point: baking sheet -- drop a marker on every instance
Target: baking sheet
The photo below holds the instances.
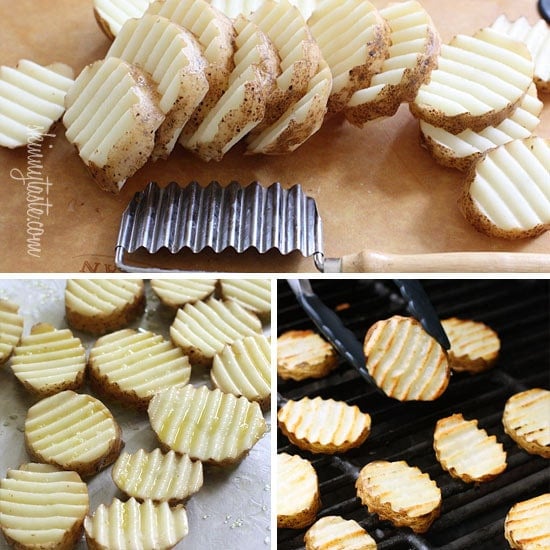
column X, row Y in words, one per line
column 231, row 510
column 375, row 187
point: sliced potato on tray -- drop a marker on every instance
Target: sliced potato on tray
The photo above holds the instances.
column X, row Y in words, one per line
column 11, row 328
column 112, row 14
column 178, row 292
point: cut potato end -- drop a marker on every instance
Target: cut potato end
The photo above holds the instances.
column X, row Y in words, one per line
column 11, row 328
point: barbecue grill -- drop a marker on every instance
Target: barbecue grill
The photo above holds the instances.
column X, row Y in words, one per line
column 472, row 515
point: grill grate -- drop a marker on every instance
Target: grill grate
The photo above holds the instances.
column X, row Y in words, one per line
column 472, row 516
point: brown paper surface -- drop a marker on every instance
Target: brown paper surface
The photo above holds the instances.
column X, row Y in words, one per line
column 375, row 187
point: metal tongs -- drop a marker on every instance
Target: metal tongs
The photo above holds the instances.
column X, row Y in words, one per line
column 344, row 341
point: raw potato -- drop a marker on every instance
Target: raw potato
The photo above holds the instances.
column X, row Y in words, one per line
column 146, row 525
column 112, row 14
column 42, row 508
column 336, row 533
column 474, row 345
column 253, row 294
column 526, row 420
column 49, row 360
column 178, row 292
column 526, row 526
column 103, row 305
column 32, row 100
column 354, row 39
column 479, row 81
column 74, row 432
column 507, row 193
column 112, row 115
column 298, row 500
column 466, row 451
column 380, row 486
column 176, row 65
column 462, row 150
column 412, row 56
column 323, row 425
column 11, row 328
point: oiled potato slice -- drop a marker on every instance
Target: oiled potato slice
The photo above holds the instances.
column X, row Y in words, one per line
column 169, row 477
column 42, row 507
column 526, row 526
column 462, row 150
column 207, row 425
column 354, row 39
column 49, row 360
column 103, row 305
column 405, row 361
column 11, row 328
column 507, row 193
column 244, row 368
column 178, row 292
column 253, row 294
column 173, row 58
column 131, row 366
column 202, row 329
column 525, row 420
column 72, row 431
column 479, row 81
column 324, row 425
column 32, row 100
column 537, row 39
column 298, row 499
column 466, row 451
column 134, row 524
column 399, row 493
column 112, row 14
column 332, row 532
column 112, row 115
column 412, row 56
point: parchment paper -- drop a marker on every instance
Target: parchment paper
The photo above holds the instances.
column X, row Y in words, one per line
column 375, row 187
column 231, row 510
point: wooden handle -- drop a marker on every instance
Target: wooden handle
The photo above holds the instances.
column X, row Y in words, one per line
column 452, row 262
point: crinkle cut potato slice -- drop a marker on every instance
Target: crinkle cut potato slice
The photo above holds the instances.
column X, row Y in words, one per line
column 479, row 81
column 42, row 507
column 173, row 58
column 32, row 100
column 253, row 294
column 112, row 115
column 178, row 292
column 507, row 193
column 112, row 14
column 207, row 425
column 334, row 532
column 11, row 328
column 412, row 56
column 526, row 526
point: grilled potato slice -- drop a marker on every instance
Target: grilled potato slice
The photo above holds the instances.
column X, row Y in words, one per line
column 334, row 532
column 525, row 420
column 11, row 328
column 474, row 345
column 479, row 81
column 216, row 35
column 102, row 305
column 466, row 451
column 354, row 39
column 42, row 507
column 462, row 150
column 131, row 366
column 304, row 354
column 507, row 193
column 178, row 292
column 72, row 431
column 49, row 360
column 169, row 477
column 244, row 368
column 33, row 99
column 253, row 294
column 112, row 115
column 324, row 425
column 537, row 39
column 207, row 425
column 134, row 524
column 173, row 58
column 112, row 14
column 298, row 500
column 202, row 329
column 405, row 361
column 526, row 525
column 412, row 56
column 380, row 486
